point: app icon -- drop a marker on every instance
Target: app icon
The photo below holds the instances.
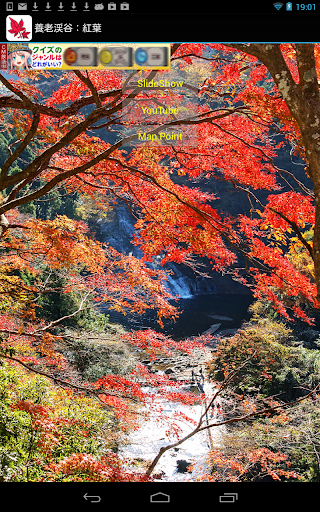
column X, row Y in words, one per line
column 19, row 28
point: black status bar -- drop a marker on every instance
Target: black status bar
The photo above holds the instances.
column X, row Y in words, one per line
column 107, row 8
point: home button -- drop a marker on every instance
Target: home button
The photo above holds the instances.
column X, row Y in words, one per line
column 160, row 497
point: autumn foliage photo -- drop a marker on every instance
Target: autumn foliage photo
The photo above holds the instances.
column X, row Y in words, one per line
column 218, row 179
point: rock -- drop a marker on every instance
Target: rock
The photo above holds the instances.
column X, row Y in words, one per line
column 180, row 366
column 223, row 318
column 213, row 328
column 182, row 466
column 227, row 332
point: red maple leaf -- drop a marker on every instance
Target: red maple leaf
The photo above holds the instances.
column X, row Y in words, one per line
column 16, row 27
column 25, row 34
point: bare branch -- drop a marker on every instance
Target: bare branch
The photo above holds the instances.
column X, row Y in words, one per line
column 200, row 428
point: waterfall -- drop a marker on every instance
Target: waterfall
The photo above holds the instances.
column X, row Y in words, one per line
column 182, row 281
column 119, row 229
column 185, row 283
column 179, row 287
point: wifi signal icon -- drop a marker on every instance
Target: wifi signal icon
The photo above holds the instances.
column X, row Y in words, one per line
column 278, row 5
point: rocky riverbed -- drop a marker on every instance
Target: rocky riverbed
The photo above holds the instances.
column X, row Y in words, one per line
column 144, row 444
column 182, row 366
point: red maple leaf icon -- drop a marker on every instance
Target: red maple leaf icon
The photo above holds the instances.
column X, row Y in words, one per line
column 25, row 34
column 18, row 29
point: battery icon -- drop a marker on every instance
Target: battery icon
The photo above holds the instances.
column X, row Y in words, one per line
column 288, row 6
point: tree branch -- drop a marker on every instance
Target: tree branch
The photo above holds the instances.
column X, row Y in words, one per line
column 29, row 136
column 245, row 417
column 86, row 80
column 296, row 230
column 76, row 387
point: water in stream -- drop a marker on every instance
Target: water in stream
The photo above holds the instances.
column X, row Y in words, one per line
column 172, row 467
column 198, row 315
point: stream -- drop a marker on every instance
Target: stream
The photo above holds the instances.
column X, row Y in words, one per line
column 199, row 313
column 173, row 466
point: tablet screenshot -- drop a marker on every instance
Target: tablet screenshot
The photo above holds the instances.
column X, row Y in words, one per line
column 160, row 254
